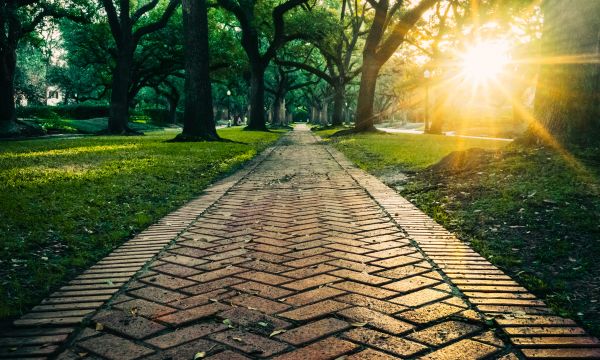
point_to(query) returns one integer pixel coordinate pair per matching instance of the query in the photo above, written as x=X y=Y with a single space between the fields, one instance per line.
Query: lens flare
x=484 y=61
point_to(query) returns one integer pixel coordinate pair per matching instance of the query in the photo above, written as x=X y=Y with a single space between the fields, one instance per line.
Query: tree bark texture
x=567 y=100
x=198 y=117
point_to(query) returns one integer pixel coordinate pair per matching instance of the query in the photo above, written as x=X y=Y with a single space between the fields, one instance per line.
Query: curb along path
x=299 y=256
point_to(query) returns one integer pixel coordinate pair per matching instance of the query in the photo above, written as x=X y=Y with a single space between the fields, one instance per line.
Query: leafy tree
x=19 y=18
x=391 y=24
x=256 y=29
x=128 y=29
x=340 y=65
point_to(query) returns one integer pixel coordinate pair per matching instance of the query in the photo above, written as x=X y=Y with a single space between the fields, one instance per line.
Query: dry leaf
x=99 y=327
x=358 y=324
x=276 y=332
x=200 y=355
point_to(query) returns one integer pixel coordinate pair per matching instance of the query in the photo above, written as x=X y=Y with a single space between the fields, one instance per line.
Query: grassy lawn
x=65 y=203
x=531 y=211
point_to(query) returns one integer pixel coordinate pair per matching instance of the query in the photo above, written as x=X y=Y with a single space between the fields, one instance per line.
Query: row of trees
x=265 y=50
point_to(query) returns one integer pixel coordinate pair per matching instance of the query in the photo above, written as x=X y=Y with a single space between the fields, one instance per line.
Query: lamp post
x=228 y=104
x=427 y=76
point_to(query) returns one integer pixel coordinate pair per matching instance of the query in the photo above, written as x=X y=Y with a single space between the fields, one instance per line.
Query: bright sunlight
x=484 y=61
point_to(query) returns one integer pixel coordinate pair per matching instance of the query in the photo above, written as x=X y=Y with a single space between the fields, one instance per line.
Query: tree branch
x=157 y=25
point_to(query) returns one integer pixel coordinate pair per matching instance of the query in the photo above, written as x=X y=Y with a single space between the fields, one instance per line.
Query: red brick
x=311 y=282
x=258 y=303
x=114 y=348
x=217 y=274
x=315 y=310
x=264 y=290
x=185 y=316
x=363 y=289
x=264 y=277
x=442 y=333
x=184 y=335
x=249 y=343
x=376 y=320
x=329 y=348
x=468 y=349
x=382 y=341
x=311 y=296
x=127 y=323
x=313 y=331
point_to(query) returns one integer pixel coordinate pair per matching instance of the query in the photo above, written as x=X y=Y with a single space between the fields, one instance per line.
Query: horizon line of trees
x=199 y=51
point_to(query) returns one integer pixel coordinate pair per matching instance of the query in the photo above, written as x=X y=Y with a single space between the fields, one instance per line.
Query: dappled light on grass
x=61 y=213
x=68 y=151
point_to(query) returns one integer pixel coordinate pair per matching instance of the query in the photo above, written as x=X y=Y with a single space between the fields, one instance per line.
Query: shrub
x=75 y=112
x=162 y=116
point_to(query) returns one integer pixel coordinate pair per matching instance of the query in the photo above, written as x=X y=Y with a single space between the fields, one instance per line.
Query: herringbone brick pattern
x=307 y=257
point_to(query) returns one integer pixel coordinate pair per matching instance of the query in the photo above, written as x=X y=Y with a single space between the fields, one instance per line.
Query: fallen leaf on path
x=276 y=332
x=358 y=324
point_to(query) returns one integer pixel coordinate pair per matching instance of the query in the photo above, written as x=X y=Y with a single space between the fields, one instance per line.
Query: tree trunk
x=567 y=100
x=338 y=104
x=365 y=120
x=257 y=98
x=118 y=119
x=8 y=62
x=173 y=101
x=276 y=116
x=198 y=117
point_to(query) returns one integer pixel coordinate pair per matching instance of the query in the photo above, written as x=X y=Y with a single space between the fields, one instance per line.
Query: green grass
x=90 y=126
x=65 y=203
x=531 y=211
x=378 y=152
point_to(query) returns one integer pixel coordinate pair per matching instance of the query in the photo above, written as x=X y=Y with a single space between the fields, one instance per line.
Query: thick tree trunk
x=338 y=104
x=8 y=62
x=257 y=98
x=365 y=118
x=567 y=101
x=198 y=117
x=118 y=119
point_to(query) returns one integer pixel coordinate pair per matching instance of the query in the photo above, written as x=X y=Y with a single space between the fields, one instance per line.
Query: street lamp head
x=426 y=74
x=228 y=93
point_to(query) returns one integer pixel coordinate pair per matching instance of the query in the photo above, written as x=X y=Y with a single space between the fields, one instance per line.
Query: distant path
x=300 y=255
x=419 y=132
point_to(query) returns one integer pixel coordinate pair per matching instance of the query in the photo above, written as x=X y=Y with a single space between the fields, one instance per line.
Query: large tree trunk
x=257 y=98
x=198 y=117
x=567 y=101
x=365 y=119
x=8 y=62
x=338 y=104
x=118 y=119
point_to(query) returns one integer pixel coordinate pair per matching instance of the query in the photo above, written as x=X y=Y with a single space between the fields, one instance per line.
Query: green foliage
x=161 y=116
x=75 y=112
x=65 y=203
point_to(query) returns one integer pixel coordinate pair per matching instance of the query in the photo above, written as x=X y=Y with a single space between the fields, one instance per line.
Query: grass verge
x=530 y=211
x=65 y=203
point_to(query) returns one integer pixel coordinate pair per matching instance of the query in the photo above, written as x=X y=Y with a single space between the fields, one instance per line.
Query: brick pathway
x=299 y=256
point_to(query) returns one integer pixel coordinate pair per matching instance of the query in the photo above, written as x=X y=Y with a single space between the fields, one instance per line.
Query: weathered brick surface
x=299 y=256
